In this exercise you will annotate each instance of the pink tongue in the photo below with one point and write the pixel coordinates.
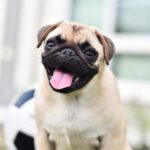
(61, 80)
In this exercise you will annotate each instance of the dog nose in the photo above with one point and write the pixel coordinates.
(67, 52)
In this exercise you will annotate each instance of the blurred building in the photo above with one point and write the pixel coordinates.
(126, 22)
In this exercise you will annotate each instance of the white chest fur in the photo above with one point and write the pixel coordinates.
(75, 124)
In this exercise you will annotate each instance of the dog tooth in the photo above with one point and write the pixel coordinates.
(77, 79)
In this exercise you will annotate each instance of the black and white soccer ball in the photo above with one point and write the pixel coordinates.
(19, 127)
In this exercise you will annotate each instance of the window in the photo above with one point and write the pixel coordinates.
(87, 12)
(134, 67)
(133, 16)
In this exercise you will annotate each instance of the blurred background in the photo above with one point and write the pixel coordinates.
(126, 22)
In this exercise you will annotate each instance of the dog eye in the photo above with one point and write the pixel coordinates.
(91, 54)
(50, 44)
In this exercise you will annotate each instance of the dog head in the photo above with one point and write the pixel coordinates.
(73, 54)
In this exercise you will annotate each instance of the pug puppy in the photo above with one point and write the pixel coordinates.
(77, 104)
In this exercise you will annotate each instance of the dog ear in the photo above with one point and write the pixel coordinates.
(108, 46)
(44, 31)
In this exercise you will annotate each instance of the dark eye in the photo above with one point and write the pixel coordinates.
(91, 54)
(50, 44)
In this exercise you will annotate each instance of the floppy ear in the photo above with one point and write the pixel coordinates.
(108, 46)
(44, 31)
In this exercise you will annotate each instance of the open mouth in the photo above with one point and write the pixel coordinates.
(63, 80)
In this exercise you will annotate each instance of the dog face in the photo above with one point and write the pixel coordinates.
(72, 54)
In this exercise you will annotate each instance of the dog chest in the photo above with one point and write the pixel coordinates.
(73, 123)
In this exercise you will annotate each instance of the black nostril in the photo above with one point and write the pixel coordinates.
(72, 53)
(64, 52)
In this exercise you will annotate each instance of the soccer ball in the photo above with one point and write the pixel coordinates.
(19, 126)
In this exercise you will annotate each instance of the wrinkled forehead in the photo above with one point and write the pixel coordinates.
(75, 33)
